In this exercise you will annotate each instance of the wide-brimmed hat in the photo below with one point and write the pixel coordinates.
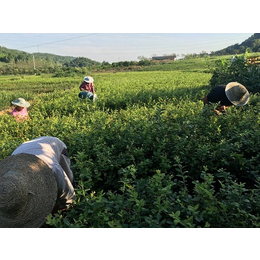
(21, 102)
(237, 94)
(88, 79)
(28, 191)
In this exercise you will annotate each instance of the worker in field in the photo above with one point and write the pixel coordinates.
(87, 89)
(20, 110)
(228, 95)
(34, 181)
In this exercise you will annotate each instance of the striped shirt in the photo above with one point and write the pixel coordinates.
(52, 151)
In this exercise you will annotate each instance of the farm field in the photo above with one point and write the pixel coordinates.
(145, 154)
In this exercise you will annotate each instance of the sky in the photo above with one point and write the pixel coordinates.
(115, 47)
(116, 30)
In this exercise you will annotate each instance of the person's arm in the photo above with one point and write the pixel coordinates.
(66, 193)
(93, 89)
(82, 86)
(65, 164)
(206, 102)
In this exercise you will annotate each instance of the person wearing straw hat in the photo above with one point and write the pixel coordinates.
(20, 110)
(35, 180)
(87, 89)
(228, 95)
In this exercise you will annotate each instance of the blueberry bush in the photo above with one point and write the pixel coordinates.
(144, 154)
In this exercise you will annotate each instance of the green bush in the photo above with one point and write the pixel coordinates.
(144, 155)
(239, 71)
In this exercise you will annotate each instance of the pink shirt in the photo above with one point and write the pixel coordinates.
(87, 87)
(20, 114)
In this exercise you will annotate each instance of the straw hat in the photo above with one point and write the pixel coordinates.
(28, 191)
(21, 102)
(237, 94)
(88, 79)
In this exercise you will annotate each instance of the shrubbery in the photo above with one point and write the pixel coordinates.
(145, 155)
(239, 71)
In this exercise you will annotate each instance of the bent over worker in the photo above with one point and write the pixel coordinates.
(228, 95)
(87, 89)
(34, 181)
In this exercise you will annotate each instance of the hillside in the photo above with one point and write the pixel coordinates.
(15, 62)
(252, 44)
(53, 57)
(9, 56)
(6, 55)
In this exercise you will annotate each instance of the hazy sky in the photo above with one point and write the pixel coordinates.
(114, 47)
(118, 30)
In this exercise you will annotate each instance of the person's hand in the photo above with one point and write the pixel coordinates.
(217, 112)
(222, 108)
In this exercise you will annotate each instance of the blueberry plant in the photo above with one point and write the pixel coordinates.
(144, 154)
(240, 70)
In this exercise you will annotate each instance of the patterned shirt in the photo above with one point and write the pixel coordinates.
(87, 87)
(20, 114)
(53, 152)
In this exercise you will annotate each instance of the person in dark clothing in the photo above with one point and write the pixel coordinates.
(226, 96)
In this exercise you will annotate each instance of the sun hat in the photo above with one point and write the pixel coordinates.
(21, 102)
(237, 94)
(28, 191)
(88, 79)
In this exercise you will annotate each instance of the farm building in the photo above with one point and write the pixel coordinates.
(169, 57)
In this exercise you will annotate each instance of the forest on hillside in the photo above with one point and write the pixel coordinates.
(20, 62)
(16, 62)
(252, 44)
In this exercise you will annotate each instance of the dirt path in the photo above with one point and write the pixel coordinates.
(6, 111)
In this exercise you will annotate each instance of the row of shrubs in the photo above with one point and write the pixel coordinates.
(167, 165)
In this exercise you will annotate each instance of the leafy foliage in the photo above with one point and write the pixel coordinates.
(144, 154)
(240, 71)
(252, 44)
(81, 62)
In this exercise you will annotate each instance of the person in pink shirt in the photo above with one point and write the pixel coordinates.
(20, 110)
(87, 89)
(87, 85)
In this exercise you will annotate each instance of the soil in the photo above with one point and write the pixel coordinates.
(6, 111)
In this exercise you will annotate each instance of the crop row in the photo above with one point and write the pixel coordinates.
(144, 154)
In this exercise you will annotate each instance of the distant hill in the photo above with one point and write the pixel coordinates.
(10, 55)
(53, 57)
(252, 44)
(7, 55)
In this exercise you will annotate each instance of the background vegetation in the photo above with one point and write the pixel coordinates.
(15, 62)
(146, 154)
